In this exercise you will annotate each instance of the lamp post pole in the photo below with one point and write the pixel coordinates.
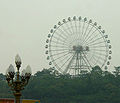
(16, 81)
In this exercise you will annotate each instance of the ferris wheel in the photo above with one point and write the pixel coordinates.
(76, 45)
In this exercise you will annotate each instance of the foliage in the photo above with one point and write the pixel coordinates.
(50, 87)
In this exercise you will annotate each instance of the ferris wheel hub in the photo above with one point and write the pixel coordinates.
(80, 48)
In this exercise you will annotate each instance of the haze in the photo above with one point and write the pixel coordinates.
(25, 24)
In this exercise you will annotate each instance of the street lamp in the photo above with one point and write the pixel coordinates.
(16, 81)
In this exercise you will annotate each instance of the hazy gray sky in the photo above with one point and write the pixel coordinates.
(25, 24)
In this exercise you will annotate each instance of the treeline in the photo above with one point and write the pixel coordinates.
(51, 87)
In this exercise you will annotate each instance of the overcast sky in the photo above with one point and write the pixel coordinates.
(25, 24)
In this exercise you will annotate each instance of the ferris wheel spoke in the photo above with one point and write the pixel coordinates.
(88, 57)
(85, 33)
(95, 59)
(62, 32)
(66, 61)
(59, 39)
(60, 57)
(59, 53)
(72, 27)
(98, 50)
(59, 50)
(68, 66)
(92, 41)
(75, 26)
(86, 29)
(69, 71)
(99, 59)
(88, 34)
(57, 46)
(96, 43)
(66, 31)
(82, 29)
(56, 42)
(64, 38)
(98, 47)
(58, 67)
(76, 29)
(69, 28)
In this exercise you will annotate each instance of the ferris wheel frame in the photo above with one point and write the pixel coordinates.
(76, 48)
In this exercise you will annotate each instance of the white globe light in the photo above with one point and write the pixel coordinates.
(11, 69)
(17, 59)
(28, 70)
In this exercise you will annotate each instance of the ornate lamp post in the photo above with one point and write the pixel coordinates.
(16, 81)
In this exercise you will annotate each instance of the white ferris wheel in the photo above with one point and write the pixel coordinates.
(76, 45)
